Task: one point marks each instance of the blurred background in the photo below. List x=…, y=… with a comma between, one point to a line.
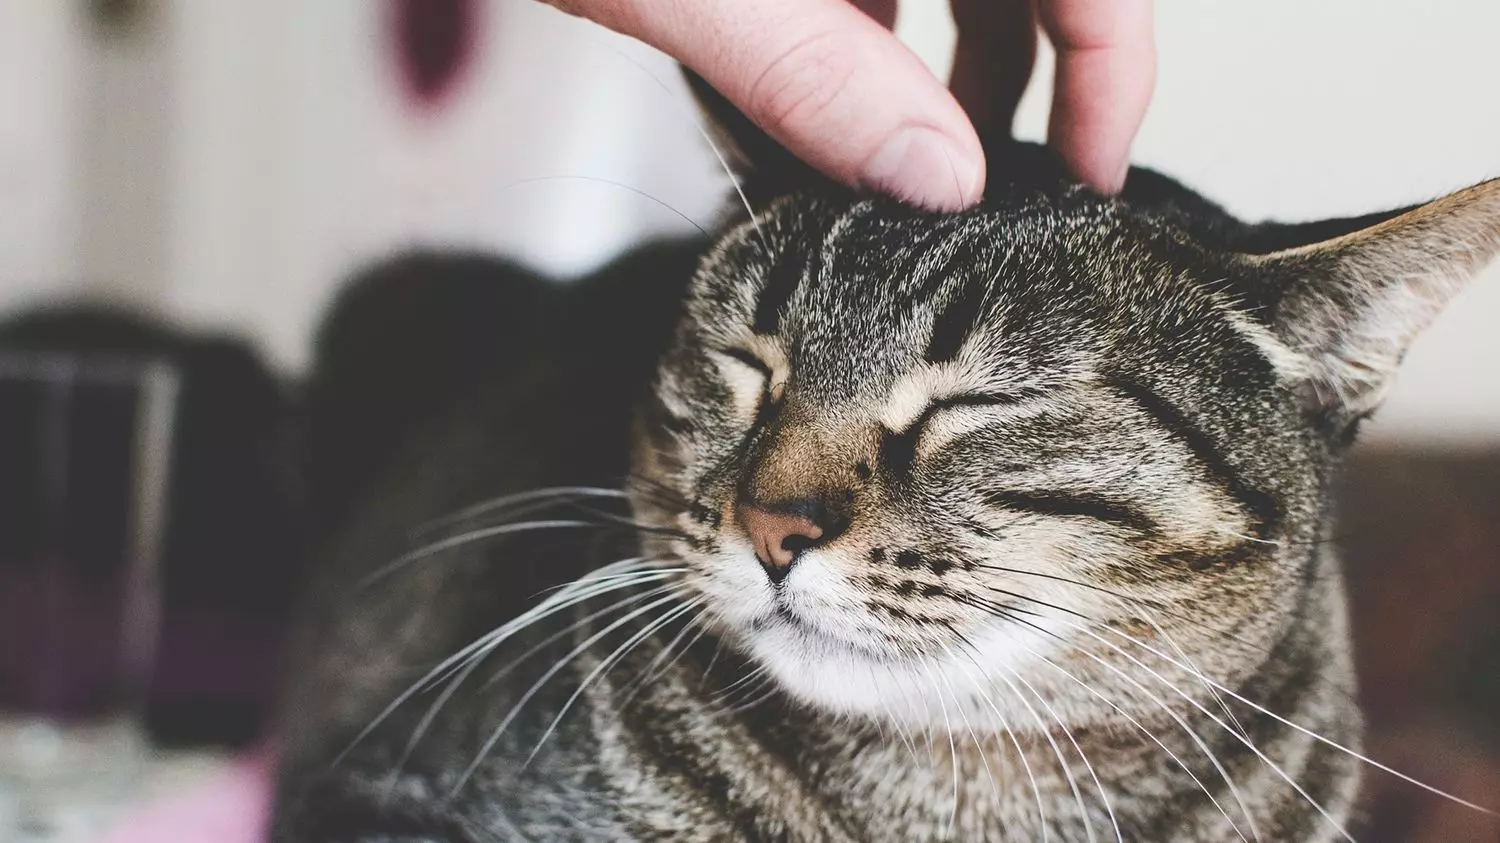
x=186, y=183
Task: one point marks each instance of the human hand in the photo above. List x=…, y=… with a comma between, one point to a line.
x=828, y=80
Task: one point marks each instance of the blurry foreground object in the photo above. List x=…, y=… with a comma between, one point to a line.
x=147, y=553
x=85, y=442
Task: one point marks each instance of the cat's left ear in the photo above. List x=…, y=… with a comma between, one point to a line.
x=761, y=165
x=1350, y=307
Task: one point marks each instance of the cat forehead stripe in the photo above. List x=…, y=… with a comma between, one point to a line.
x=957, y=320
x=781, y=282
x=1264, y=512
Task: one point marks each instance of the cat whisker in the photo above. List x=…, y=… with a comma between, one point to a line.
x=434, y=548
x=1254, y=831
x=480, y=534
x=578, y=591
x=1183, y=724
x=1036, y=791
x=1068, y=733
x=901, y=733
x=1139, y=606
x=1209, y=686
x=1133, y=602
x=663, y=661
x=712, y=660
x=952, y=746
x=588, y=579
x=574, y=627
x=1056, y=750
x=582, y=595
x=547, y=495
x=556, y=603
x=978, y=747
x=707, y=138
x=536, y=687
x=1310, y=733
x=1242, y=537
x=612, y=183
x=769, y=693
x=739, y=684
x=623, y=521
x=1018, y=596
x=605, y=664
x=1248, y=744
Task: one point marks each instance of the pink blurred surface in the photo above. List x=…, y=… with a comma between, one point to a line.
x=232, y=807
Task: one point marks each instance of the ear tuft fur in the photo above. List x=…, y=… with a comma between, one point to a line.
x=1352, y=305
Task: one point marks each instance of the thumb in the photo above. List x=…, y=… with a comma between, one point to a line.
x=830, y=84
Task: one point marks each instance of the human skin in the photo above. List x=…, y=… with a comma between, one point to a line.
x=828, y=80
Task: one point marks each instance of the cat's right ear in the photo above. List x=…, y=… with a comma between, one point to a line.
x=763, y=168
x=1350, y=306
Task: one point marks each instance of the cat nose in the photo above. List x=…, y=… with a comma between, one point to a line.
x=781, y=533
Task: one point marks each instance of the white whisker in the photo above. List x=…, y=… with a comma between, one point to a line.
x=1009, y=732
x=466, y=538
x=486, y=642
x=537, y=686
x=1210, y=715
x=1056, y=750
x=574, y=627
x=1103, y=795
x=547, y=495
x=1164, y=748
x=952, y=746
x=605, y=664
x=1317, y=737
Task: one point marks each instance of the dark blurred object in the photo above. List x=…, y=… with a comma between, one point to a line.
x=85, y=448
x=84, y=444
x=435, y=43
x=1421, y=539
x=115, y=15
x=404, y=342
x=230, y=553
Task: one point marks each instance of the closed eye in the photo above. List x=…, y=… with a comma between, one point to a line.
x=748, y=359
x=972, y=399
x=750, y=379
x=900, y=449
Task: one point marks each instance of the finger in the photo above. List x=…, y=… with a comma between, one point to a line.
x=826, y=81
x=1106, y=67
x=993, y=60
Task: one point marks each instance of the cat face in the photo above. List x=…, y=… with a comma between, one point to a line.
x=920, y=457
x=999, y=425
x=930, y=466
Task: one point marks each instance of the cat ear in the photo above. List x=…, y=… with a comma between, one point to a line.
x=762, y=166
x=1349, y=307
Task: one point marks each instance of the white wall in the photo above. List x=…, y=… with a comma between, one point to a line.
x=41, y=54
x=282, y=158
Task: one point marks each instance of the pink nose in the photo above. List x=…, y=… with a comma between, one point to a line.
x=778, y=538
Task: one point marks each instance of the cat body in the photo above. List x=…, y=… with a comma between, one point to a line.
x=1003, y=525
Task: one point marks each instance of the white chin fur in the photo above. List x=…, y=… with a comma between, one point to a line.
x=825, y=663
x=984, y=688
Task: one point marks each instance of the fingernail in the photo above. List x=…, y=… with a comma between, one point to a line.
x=923, y=167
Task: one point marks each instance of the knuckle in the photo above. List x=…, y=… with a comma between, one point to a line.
x=806, y=78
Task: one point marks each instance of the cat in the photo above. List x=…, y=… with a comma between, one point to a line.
x=1009, y=524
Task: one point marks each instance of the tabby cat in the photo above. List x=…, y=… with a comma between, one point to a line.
x=1002, y=525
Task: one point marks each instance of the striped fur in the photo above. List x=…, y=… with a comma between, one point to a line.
x=1077, y=451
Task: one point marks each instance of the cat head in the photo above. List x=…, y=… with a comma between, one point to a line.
x=918, y=457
